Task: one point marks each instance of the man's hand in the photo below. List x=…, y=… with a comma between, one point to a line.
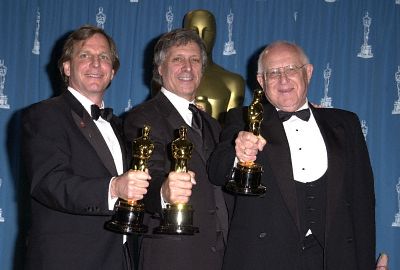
x=131, y=185
x=177, y=188
x=382, y=263
x=247, y=145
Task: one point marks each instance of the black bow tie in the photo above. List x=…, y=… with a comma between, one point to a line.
x=105, y=113
x=302, y=114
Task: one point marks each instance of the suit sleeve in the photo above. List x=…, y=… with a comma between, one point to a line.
x=158, y=162
x=221, y=160
x=363, y=205
x=53, y=165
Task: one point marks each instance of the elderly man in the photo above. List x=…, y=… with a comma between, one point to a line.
x=318, y=211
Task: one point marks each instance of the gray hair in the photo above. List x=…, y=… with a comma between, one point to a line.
x=176, y=37
x=300, y=51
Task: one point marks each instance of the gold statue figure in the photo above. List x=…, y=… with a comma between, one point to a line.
x=246, y=176
x=255, y=112
x=128, y=214
x=181, y=151
x=177, y=218
x=142, y=148
x=223, y=89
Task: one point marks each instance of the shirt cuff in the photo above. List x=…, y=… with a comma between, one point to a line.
x=111, y=201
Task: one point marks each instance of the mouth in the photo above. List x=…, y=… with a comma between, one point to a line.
x=95, y=75
x=185, y=77
x=285, y=90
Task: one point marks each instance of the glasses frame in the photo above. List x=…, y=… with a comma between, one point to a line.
x=289, y=71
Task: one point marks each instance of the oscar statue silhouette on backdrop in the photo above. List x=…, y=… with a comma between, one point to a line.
x=219, y=90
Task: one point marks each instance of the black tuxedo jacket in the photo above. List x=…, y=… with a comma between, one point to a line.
x=265, y=232
x=70, y=167
x=203, y=250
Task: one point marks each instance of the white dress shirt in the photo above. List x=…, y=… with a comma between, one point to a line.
x=307, y=148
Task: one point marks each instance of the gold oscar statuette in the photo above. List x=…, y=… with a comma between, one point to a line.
x=177, y=218
x=246, y=176
x=128, y=215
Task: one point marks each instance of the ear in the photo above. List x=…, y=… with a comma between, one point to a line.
x=159, y=70
x=260, y=79
x=309, y=71
x=112, y=74
x=67, y=68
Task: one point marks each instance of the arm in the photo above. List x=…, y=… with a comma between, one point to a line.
x=363, y=206
x=66, y=173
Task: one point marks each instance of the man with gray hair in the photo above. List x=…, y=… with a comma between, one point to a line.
x=318, y=211
x=179, y=61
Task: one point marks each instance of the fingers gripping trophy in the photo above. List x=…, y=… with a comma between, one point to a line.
x=246, y=176
x=128, y=215
x=178, y=217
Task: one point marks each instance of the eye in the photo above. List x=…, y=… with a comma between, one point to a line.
x=290, y=70
x=177, y=59
x=83, y=55
x=195, y=60
x=274, y=73
x=105, y=57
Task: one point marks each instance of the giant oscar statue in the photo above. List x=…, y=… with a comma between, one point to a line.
x=219, y=90
x=128, y=215
x=246, y=176
x=178, y=218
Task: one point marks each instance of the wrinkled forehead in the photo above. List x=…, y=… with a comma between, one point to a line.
x=282, y=55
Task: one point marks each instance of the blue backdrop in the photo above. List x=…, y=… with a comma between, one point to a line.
x=353, y=44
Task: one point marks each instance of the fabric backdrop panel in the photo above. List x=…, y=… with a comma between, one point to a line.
x=353, y=45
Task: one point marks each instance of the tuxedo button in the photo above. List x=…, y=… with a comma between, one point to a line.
x=262, y=235
x=349, y=239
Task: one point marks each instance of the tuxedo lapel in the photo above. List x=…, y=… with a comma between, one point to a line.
x=118, y=132
x=277, y=154
x=176, y=121
x=334, y=138
x=89, y=129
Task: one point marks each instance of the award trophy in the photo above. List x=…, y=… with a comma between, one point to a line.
x=246, y=176
x=128, y=215
x=178, y=218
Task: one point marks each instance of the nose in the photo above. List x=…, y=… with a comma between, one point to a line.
x=95, y=61
x=187, y=65
x=283, y=77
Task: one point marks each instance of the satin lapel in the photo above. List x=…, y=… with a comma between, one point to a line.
x=209, y=140
x=277, y=154
x=334, y=138
x=89, y=129
x=118, y=132
x=176, y=121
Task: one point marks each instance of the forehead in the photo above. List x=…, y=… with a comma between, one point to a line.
x=281, y=55
x=97, y=41
x=190, y=49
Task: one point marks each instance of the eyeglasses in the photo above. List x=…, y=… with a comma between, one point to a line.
x=276, y=73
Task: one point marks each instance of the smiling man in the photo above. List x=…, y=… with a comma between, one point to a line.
x=76, y=159
x=179, y=61
x=318, y=211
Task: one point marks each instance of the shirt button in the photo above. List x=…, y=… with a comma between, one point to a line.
x=262, y=235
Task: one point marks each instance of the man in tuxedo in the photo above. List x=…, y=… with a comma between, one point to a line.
x=318, y=211
x=76, y=160
x=179, y=59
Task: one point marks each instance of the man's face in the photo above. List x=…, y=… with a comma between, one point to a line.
x=287, y=91
x=181, y=70
x=90, y=67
